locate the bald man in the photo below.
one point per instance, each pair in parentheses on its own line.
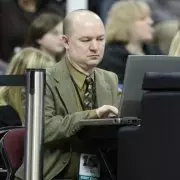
(76,90)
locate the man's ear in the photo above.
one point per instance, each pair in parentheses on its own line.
(39,41)
(65,40)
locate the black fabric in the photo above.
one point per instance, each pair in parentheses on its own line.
(152,152)
(12,80)
(161,81)
(115,57)
(9,117)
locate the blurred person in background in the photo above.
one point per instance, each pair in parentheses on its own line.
(12,98)
(45,33)
(164,10)
(3,66)
(175,45)
(164,33)
(128,32)
(15,18)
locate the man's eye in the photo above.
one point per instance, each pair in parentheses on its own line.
(85,40)
(100,39)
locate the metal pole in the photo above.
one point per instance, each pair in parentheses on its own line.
(35,89)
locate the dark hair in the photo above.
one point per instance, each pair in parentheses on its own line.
(40,26)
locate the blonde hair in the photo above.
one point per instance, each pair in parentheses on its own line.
(175,45)
(26,58)
(164,34)
(121,17)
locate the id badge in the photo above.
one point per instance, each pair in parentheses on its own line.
(89,167)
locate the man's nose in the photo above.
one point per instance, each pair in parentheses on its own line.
(93,45)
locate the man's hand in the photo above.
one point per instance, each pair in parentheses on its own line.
(107,111)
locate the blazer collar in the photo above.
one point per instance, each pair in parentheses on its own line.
(67,90)
(65,86)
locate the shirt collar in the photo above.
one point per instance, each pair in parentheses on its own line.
(78,76)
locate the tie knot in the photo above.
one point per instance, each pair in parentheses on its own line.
(89,80)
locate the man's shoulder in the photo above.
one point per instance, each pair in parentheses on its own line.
(50,73)
(105,72)
(56,68)
(51,70)
(107,76)
(57,73)
(107,79)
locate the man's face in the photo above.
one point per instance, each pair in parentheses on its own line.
(85,45)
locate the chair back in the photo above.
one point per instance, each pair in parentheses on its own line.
(12,150)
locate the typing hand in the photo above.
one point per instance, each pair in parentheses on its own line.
(107,111)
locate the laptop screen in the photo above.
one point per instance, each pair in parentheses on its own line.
(136,68)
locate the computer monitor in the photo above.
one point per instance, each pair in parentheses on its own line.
(136,67)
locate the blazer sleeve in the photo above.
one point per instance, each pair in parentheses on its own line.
(60,126)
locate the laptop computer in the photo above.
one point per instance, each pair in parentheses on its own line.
(136,67)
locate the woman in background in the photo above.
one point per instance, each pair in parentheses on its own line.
(175,45)
(128,32)
(45,33)
(15,18)
(12,98)
(164,33)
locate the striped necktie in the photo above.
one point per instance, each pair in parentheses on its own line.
(88,96)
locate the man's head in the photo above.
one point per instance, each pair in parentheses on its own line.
(84,38)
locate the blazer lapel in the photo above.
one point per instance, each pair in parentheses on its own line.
(65,87)
(67,91)
(103,91)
